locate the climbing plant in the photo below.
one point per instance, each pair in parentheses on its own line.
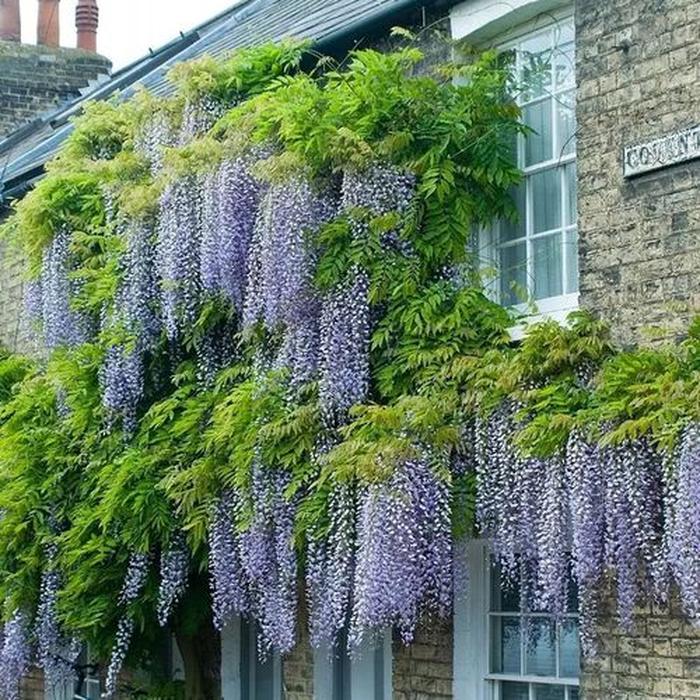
(269,357)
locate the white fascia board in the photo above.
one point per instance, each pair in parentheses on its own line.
(479,21)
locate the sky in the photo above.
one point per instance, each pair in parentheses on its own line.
(128,28)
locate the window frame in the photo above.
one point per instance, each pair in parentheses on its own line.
(559,306)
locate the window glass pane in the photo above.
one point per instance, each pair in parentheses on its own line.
(538,145)
(571,252)
(571,203)
(573,693)
(546,200)
(549,692)
(547,261)
(541,647)
(515,691)
(512,230)
(564,59)
(513,274)
(536,66)
(505,644)
(569,652)
(566,124)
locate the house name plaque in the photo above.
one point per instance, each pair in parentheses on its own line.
(668,150)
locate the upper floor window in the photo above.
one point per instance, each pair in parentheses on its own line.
(536,257)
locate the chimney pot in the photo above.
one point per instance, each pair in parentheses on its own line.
(87,17)
(48,25)
(10,23)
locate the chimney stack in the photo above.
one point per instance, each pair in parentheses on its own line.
(48,26)
(87,17)
(10,23)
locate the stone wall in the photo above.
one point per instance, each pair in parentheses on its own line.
(638,69)
(423,670)
(659,658)
(33,79)
(15,330)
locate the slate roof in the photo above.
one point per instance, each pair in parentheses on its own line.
(24,152)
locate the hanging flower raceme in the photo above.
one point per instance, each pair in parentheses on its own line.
(174,571)
(178,249)
(231,200)
(56,654)
(633,518)
(586,487)
(330,565)
(62,325)
(134,581)
(345,316)
(684,522)
(404,552)
(15,655)
(280,291)
(229,586)
(269,560)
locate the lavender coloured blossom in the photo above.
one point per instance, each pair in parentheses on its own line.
(330,570)
(178,249)
(61,324)
(231,201)
(684,522)
(56,654)
(269,560)
(229,586)
(15,655)
(135,578)
(586,481)
(174,571)
(125,631)
(345,335)
(404,553)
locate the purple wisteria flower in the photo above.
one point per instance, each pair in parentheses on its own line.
(230,594)
(15,655)
(404,553)
(174,571)
(683,526)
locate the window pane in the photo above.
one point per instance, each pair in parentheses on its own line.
(549,692)
(536,66)
(541,650)
(571,203)
(564,66)
(546,200)
(538,145)
(566,124)
(515,691)
(512,230)
(573,693)
(547,266)
(513,274)
(569,651)
(505,644)
(571,252)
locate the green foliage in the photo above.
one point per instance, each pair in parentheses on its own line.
(441,353)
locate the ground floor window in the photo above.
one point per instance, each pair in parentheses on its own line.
(505,653)
(367,676)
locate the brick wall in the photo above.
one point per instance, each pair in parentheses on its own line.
(298,667)
(15,331)
(34,79)
(423,670)
(660,658)
(638,69)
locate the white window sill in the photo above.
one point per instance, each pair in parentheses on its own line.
(555,309)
